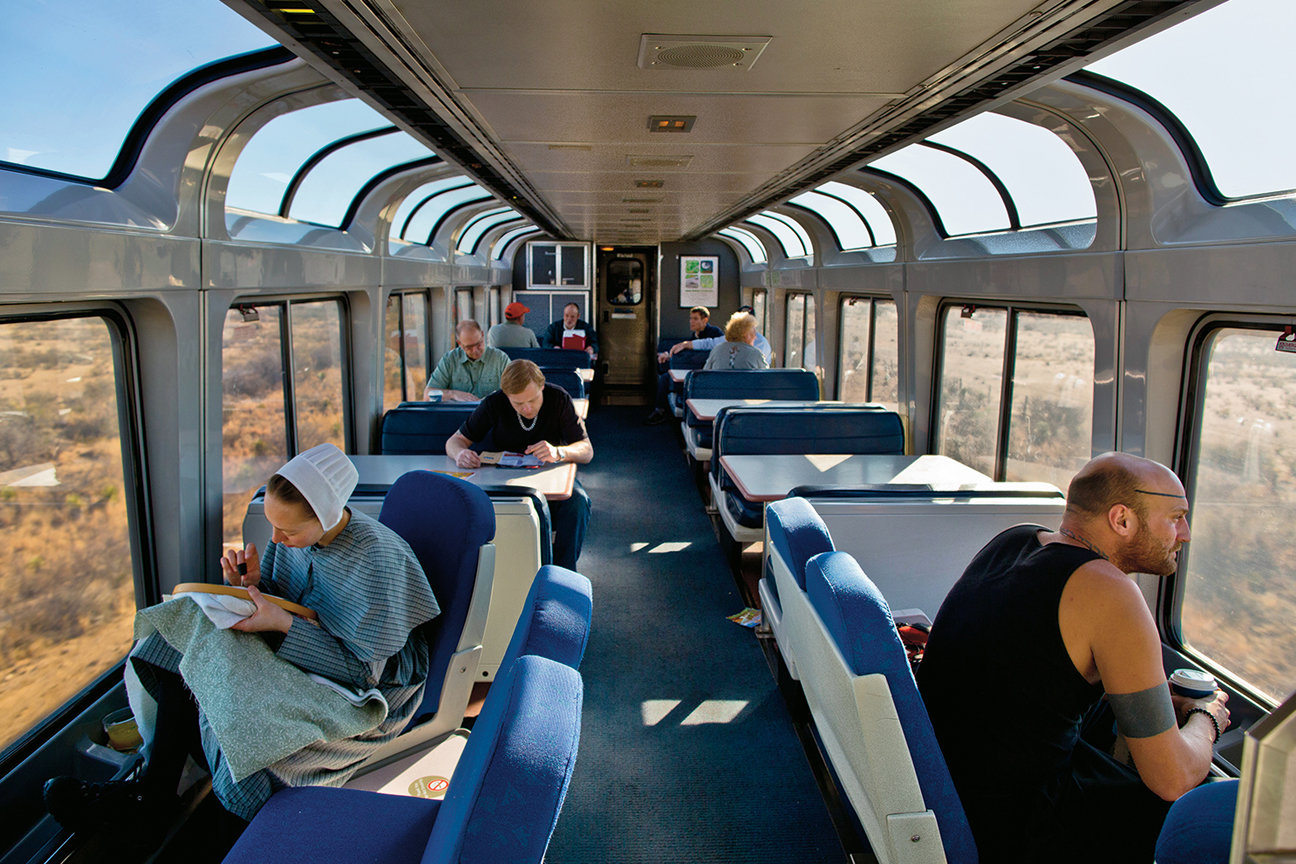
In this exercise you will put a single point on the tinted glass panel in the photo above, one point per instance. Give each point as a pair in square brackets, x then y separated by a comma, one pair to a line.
[544, 264]
[965, 201]
[868, 206]
[750, 242]
[68, 577]
[572, 265]
[317, 374]
[414, 344]
[972, 353]
[329, 187]
[473, 233]
[886, 355]
[758, 309]
[418, 199]
[393, 356]
[500, 246]
[846, 224]
[624, 281]
[811, 360]
[279, 149]
[1044, 178]
[1239, 598]
[429, 215]
[61, 54]
[1052, 398]
[788, 236]
[869, 359]
[1221, 74]
[794, 333]
[856, 337]
[463, 304]
[253, 425]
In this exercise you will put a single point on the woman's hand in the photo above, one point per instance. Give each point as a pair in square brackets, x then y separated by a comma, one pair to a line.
[241, 566]
[267, 617]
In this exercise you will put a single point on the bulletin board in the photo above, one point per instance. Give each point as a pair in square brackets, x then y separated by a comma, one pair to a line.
[699, 281]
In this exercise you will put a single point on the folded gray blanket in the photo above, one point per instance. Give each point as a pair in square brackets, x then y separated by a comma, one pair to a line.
[260, 707]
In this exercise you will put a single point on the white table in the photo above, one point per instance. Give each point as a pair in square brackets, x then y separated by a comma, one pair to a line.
[771, 477]
[553, 481]
[706, 410]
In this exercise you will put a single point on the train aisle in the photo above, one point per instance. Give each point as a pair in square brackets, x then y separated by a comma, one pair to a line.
[687, 753]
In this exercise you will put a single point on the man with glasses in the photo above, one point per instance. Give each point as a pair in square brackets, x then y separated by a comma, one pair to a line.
[468, 372]
[1045, 661]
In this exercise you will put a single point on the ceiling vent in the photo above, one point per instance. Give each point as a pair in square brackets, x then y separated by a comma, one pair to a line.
[658, 161]
[649, 184]
[659, 51]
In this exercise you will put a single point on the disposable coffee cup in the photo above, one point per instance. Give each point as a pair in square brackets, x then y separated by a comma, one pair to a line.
[433, 396]
[1193, 683]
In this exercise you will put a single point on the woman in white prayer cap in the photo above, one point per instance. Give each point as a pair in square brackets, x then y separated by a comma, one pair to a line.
[372, 601]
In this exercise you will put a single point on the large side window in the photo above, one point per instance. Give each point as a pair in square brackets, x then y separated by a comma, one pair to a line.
[268, 415]
[870, 359]
[405, 364]
[759, 309]
[68, 576]
[1038, 362]
[799, 332]
[1238, 597]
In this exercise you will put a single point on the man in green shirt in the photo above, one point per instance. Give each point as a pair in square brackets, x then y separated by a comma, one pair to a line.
[470, 371]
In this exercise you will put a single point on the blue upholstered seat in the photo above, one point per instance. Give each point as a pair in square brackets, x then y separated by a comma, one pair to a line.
[422, 427]
[567, 379]
[550, 358]
[555, 619]
[782, 384]
[858, 620]
[846, 429]
[1199, 827]
[687, 359]
[796, 534]
[446, 521]
[502, 803]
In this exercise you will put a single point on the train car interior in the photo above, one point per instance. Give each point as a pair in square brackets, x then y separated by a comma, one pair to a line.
[983, 242]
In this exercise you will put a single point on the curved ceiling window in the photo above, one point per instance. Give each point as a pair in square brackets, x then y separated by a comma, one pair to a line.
[501, 243]
[867, 206]
[1220, 73]
[1045, 182]
[423, 223]
[791, 236]
[476, 227]
[60, 54]
[963, 196]
[755, 248]
[310, 164]
[416, 200]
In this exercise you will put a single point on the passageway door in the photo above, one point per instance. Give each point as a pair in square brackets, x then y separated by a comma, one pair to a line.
[627, 292]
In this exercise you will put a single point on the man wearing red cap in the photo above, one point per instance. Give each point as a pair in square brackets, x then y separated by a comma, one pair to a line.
[513, 332]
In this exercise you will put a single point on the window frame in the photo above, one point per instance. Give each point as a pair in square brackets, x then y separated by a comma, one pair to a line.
[558, 247]
[401, 294]
[1006, 370]
[1192, 401]
[286, 360]
[873, 300]
[140, 524]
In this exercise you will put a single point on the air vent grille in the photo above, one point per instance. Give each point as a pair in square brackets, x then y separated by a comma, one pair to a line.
[660, 51]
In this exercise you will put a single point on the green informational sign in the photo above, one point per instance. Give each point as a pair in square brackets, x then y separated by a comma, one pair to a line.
[699, 285]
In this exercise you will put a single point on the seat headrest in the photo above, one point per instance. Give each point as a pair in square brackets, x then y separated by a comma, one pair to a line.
[796, 534]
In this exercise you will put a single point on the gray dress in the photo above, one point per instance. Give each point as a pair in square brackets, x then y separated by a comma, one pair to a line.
[372, 599]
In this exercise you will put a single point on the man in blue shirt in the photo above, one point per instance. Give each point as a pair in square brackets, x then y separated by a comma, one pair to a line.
[699, 317]
[762, 344]
[470, 371]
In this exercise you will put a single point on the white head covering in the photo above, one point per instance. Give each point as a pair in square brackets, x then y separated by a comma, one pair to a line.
[325, 477]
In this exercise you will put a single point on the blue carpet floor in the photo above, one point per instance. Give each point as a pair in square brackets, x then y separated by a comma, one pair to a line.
[687, 753]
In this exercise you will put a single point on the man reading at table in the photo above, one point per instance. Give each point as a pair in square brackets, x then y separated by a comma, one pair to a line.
[526, 415]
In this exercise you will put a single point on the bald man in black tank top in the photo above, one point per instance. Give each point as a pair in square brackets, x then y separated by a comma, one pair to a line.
[1041, 626]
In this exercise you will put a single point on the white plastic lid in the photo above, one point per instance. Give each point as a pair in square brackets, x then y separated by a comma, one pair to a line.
[1193, 679]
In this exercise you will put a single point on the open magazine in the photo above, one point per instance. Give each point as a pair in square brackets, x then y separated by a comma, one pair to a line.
[510, 460]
